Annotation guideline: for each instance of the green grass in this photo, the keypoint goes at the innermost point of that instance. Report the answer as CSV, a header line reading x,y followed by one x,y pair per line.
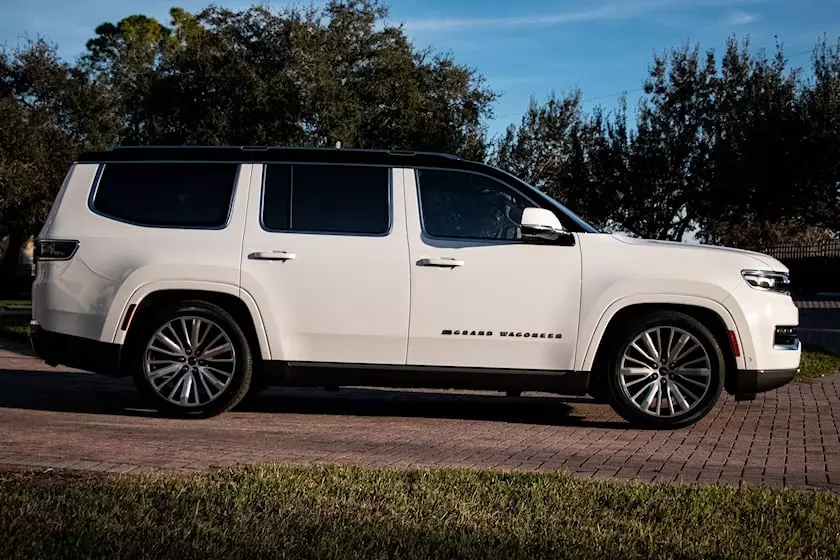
x,y
7,302
817,363
348,512
15,327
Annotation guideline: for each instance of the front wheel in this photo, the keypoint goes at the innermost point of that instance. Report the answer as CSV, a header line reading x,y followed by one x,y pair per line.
x,y
666,371
191,359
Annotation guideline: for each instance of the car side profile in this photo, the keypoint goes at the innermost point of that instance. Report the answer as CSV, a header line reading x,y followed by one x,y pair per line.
x,y
208,273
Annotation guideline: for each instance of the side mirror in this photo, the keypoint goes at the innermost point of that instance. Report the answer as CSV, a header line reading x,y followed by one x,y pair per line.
x,y
541,224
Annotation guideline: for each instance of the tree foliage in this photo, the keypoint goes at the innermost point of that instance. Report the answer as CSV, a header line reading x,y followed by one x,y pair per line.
x,y
738,152
49,111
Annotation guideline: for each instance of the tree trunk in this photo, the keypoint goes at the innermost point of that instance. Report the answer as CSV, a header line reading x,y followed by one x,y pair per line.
x,y
9,283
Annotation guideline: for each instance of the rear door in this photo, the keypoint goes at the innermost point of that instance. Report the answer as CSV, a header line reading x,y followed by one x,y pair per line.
x,y
326,258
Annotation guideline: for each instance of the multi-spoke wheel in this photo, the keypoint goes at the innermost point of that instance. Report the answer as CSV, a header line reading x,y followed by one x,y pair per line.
x,y
667,371
192,359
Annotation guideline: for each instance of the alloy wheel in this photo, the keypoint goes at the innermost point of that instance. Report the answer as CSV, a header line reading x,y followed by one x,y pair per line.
x,y
190,361
665,372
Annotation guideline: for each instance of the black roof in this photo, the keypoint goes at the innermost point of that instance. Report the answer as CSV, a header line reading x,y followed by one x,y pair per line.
x,y
260,154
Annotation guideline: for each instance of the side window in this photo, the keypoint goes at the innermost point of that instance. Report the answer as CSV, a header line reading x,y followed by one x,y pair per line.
x,y
326,198
466,205
166,194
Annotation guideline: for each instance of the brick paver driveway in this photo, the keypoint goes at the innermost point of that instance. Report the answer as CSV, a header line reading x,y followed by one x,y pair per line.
x,y
59,418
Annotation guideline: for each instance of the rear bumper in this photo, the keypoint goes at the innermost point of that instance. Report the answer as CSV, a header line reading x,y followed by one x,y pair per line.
x,y
74,351
746,383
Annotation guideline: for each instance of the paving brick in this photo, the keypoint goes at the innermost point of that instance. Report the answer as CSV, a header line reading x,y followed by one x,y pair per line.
x,y
63,419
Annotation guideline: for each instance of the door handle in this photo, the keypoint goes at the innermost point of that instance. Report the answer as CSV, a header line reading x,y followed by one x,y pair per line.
x,y
272,256
443,262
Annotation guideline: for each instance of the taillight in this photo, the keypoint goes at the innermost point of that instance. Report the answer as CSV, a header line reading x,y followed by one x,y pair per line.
x,y
55,249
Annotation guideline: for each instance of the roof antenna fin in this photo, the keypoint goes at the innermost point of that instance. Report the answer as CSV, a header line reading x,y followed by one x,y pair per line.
x,y
338,145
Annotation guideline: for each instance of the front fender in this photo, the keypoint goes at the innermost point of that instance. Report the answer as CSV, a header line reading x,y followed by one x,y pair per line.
x,y
590,339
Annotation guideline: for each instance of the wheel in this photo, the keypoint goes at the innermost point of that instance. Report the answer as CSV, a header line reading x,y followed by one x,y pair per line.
x,y
191,359
666,371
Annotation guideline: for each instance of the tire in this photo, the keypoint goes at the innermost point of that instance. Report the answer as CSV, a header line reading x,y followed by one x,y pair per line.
x,y
217,384
678,381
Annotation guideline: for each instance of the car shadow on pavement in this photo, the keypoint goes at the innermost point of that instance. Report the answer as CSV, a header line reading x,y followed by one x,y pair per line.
x,y
85,393
383,402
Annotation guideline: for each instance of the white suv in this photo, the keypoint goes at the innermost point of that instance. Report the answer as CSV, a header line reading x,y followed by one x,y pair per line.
x,y
206,273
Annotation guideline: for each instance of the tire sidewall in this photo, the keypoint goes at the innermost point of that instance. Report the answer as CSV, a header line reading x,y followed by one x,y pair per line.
x,y
621,403
242,375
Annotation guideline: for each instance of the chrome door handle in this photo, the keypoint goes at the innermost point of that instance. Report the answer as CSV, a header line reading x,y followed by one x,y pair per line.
x,y
272,256
444,262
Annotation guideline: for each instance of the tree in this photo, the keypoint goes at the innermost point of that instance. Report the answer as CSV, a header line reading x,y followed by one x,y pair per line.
x,y
756,145
49,111
304,77
126,59
820,160
558,150
667,157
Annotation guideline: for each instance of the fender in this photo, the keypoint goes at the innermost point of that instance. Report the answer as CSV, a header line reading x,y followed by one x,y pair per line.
x,y
111,332
591,342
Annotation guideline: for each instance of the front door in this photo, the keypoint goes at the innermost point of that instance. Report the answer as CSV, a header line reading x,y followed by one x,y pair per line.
x,y
326,259
480,295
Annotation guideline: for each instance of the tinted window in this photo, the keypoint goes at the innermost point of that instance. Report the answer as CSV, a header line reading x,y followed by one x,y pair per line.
x,y
466,205
326,198
167,194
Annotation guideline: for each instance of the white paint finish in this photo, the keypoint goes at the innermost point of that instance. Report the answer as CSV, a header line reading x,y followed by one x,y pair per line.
x,y
618,271
117,314
760,312
87,296
362,299
502,286
588,345
343,298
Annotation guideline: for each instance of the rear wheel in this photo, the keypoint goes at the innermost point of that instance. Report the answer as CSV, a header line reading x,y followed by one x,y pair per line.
x,y
666,371
191,359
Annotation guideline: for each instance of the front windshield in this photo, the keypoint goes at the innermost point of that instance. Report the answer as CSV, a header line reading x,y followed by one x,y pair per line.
x,y
586,227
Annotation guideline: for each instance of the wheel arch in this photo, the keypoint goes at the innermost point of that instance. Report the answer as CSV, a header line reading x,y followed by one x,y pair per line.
x,y
239,304
712,314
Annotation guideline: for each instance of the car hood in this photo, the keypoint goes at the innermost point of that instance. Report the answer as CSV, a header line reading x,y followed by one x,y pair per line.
x,y
765,260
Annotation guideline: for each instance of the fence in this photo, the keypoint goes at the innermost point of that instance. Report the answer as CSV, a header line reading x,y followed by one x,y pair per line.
x,y
814,267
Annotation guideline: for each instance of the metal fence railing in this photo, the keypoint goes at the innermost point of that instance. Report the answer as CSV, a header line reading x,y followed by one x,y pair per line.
x,y
794,251
814,267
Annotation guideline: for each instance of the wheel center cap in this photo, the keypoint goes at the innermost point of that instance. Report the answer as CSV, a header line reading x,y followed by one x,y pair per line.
x,y
191,360
663,371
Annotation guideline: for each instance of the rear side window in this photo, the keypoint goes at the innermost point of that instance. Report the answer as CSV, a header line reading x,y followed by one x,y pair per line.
x,y
193,195
324,198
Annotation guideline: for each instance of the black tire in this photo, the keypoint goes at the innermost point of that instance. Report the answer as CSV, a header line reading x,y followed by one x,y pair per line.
x,y
621,401
240,381
259,383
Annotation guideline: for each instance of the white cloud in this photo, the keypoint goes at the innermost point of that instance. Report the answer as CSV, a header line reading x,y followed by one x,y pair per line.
x,y
625,9
734,19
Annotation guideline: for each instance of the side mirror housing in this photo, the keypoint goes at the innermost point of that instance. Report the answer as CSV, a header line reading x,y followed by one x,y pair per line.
x,y
539,224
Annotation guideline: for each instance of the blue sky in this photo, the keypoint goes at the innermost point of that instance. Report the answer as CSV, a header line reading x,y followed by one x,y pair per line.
x,y
523,48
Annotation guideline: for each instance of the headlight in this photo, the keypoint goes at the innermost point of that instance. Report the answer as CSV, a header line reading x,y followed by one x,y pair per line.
x,y
767,280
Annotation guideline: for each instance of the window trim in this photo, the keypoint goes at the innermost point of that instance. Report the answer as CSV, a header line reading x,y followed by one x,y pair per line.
x,y
425,233
390,194
101,169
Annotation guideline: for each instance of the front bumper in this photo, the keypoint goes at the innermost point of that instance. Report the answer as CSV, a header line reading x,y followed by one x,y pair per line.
x,y
74,351
746,383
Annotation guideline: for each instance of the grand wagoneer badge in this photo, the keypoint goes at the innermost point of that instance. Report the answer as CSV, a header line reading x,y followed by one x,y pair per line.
x,y
515,334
